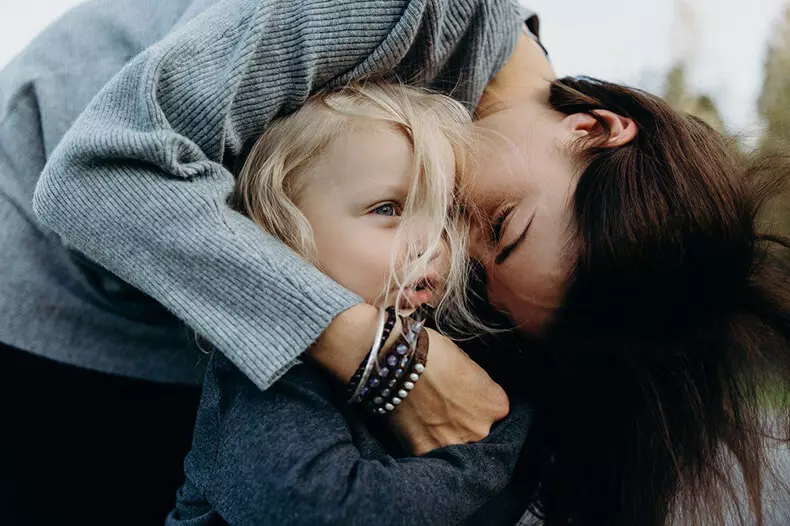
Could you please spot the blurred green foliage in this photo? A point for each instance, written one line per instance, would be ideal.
(676, 92)
(773, 107)
(774, 101)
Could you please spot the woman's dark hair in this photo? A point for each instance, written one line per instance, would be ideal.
(670, 349)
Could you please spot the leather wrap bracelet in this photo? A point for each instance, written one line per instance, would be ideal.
(397, 370)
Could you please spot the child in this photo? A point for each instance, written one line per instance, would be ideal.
(359, 182)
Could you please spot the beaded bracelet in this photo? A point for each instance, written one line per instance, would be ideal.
(398, 370)
(405, 378)
(356, 387)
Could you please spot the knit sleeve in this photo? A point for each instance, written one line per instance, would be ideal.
(139, 183)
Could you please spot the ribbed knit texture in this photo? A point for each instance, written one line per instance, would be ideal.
(139, 182)
(53, 302)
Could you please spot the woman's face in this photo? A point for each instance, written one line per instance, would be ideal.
(524, 187)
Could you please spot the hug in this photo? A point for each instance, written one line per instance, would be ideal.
(264, 197)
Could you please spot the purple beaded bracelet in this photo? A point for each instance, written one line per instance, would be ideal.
(403, 380)
(389, 323)
(398, 370)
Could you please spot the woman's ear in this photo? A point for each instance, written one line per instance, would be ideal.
(622, 130)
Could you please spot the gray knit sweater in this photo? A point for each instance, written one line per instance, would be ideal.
(138, 184)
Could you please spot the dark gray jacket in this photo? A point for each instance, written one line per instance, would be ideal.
(296, 454)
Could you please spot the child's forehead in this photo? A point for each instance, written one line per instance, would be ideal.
(378, 144)
(373, 146)
(375, 159)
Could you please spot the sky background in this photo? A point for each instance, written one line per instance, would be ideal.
(722, 42)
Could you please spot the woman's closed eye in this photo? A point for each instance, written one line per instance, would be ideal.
(498, 224)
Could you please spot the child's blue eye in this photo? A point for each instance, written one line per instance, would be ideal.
(385, 210)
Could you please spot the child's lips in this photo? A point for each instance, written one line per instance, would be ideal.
(418, 293)
(413, 297)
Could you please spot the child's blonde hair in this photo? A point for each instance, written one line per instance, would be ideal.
(270, 183)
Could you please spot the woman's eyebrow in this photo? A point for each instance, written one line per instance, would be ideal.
(506, 251)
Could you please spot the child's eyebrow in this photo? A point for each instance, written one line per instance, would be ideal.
(391, 188)
(367, 193)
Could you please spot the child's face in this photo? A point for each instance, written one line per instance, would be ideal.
(353, 199)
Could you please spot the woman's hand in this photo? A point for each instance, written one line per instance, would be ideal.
(454, 402)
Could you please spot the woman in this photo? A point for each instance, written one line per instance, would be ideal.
(79, 171)
(654, 329)
(633, 245)
(111, 367)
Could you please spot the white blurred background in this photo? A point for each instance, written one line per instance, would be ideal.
(20, 21)
(718, 47)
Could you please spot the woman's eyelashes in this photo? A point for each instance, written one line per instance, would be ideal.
(497, 227)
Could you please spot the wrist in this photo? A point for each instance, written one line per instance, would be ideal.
(387, 376)
(346, 341)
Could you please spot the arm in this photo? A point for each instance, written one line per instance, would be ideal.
(139, 182)
(455, 401)
(287, 456)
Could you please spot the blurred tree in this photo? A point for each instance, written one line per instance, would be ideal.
(675, 86)
(676, 92)
(774, 108)
(686, 42)
(774, 101)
